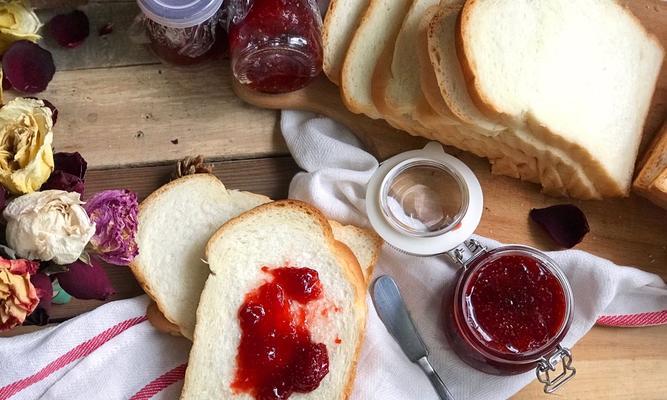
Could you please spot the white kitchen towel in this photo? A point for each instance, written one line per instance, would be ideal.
(335, 177)
(113, 353)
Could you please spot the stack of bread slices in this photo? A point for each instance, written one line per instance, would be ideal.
(195, 218)
(550, 91)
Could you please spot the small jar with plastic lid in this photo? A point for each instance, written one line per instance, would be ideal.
(511, 306)
(182, 31)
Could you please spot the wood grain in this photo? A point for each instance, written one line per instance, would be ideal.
(156, 113)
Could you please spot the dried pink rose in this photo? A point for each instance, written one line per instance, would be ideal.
(18, 297)
(114, 213)
(86, 282)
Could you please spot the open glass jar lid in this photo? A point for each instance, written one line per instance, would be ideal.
(512, 305)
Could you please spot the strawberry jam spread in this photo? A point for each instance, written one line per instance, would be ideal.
(276, 355)
(516, 303)
(275, 45)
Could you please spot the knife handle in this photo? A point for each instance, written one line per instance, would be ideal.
(437, 383)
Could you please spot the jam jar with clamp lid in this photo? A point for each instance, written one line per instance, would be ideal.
(511, 306)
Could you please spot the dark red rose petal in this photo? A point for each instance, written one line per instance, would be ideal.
(105, 29)
(72, 163)
(565, 223)
(39, 317)
(42, 284)
(5, 83)
(86, 282)
(28, 67)
(3, 198)
(60, 180)
(69, 30)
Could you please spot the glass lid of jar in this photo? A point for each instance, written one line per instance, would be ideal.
(424, 202)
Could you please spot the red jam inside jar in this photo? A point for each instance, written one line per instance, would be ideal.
(276, 355)
(511, 307)
(275, 45)
(183, 33)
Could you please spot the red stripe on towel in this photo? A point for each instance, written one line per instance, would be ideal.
(80, 351)
(634, 320)
(160, 383)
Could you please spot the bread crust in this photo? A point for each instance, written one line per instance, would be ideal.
(346, 260)
(135, 266)
(651, 157)
(333, 73)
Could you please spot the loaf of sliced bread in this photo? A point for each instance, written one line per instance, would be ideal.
(170, 266)
(555, 170)
(578, 74)
(378, 27)
(278, 234)
(653, 163)
(340, 23)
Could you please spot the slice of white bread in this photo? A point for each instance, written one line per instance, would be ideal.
(340, 23)
(378, 27)
(654, 161)
(275, 235)
(175, 223)
(579, 74)
(558, 173)
(365, 246)
(170, 267)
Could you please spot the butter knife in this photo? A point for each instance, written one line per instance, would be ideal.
(394, 315)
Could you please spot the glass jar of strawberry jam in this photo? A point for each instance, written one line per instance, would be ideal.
(275, 45)
(182, 31)
(512, 305)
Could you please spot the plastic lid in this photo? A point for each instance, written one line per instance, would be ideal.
(424, 202)
(179, 13)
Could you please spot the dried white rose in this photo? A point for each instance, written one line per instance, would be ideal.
(48, 226)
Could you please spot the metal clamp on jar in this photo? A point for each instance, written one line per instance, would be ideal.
(512, 305)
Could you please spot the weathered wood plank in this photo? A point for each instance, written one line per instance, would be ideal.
(156, 113)
(112, 50)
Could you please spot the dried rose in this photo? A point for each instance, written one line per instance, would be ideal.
(44, 288)
(114, 213)
(565, 223)
(26, 156)
(86, 282)
(60, 180)
(49, 226)
(18, 296)
(69, 30)
(17, 22)
(28, 67)
(72, 163)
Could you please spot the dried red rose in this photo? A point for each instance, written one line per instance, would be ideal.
(565, 223)
(28, 67)
(69, 172)
(86, 282)
(42, 284)
(69, 30)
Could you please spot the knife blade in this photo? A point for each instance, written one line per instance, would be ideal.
(394, 315)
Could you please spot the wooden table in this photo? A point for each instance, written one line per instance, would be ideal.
(132, 117)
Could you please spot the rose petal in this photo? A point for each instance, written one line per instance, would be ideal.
(60, 180)
(86, 282)
(69, 30)
(72, 163)
(53, 108)
(565, 223)
(28, 67)
(6, 85)
(44, 289)
(105, 29)
(39, 317)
